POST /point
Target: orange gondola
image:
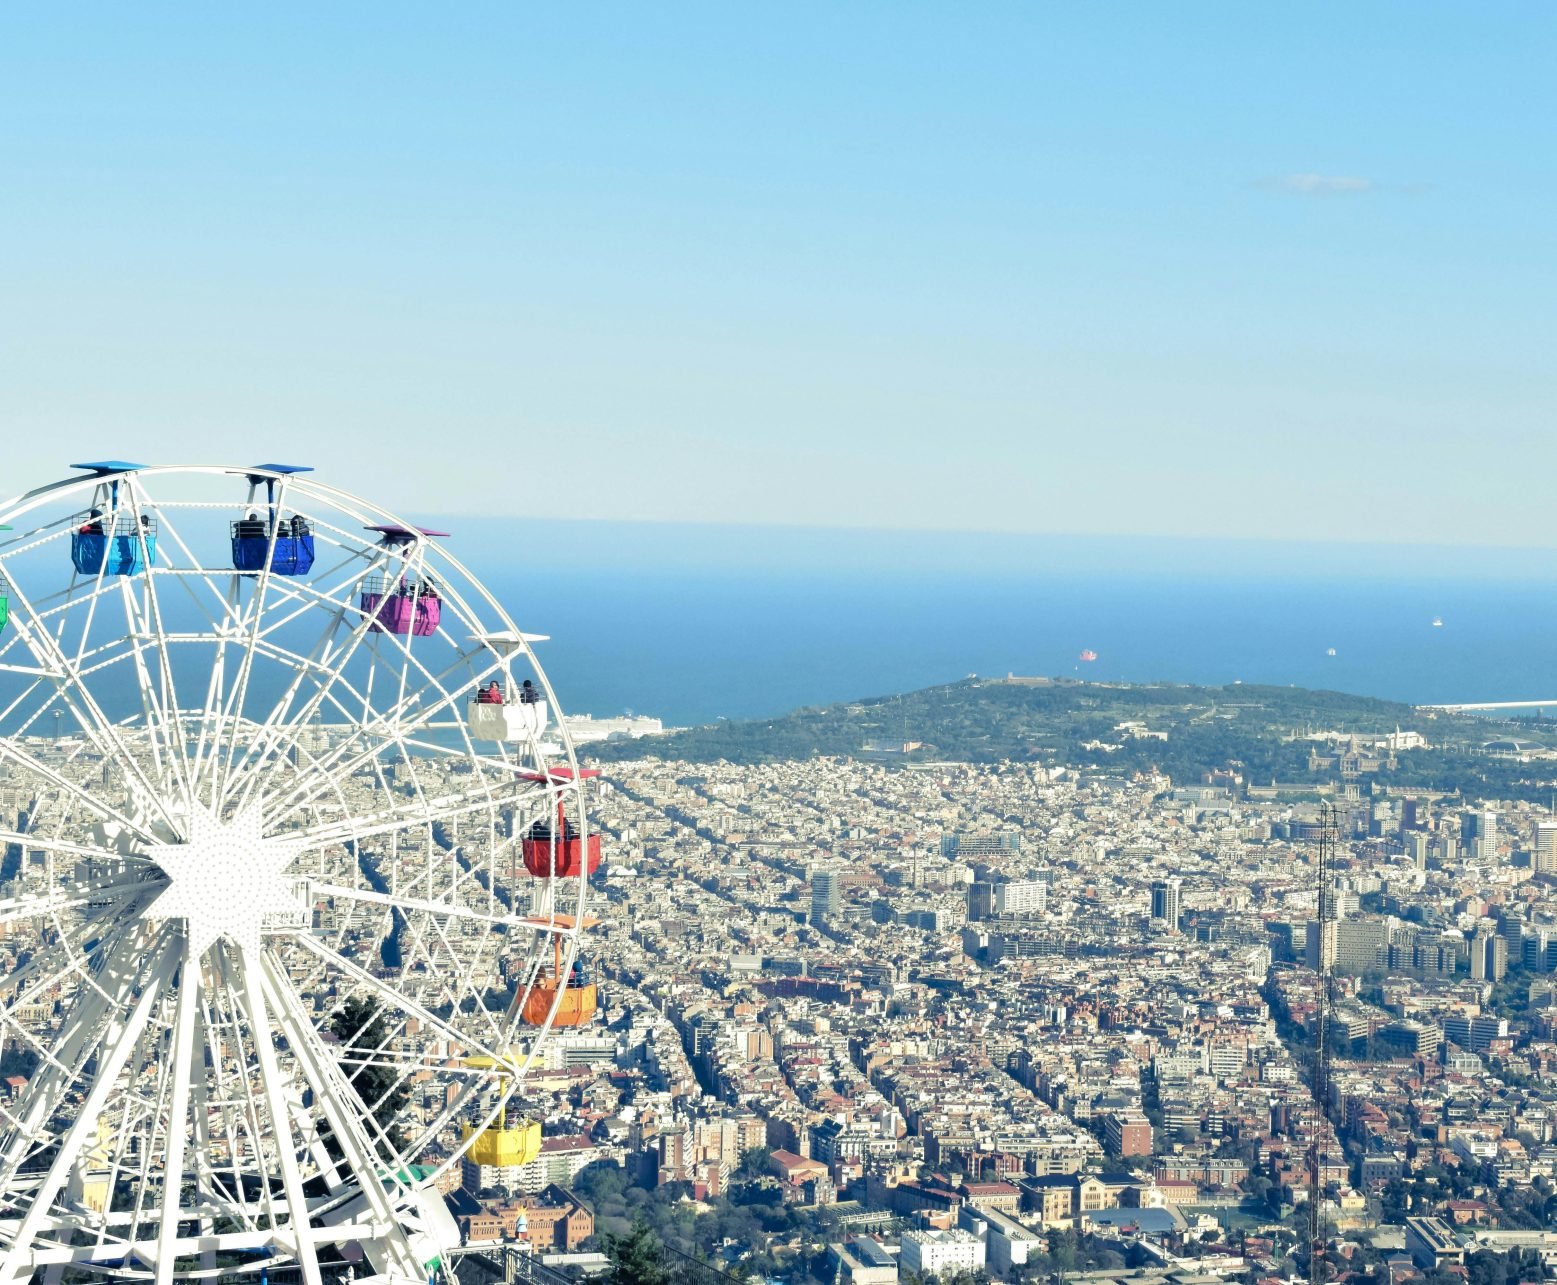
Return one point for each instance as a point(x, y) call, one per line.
point(579, 999)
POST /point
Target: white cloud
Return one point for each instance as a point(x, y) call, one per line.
point(1320, 184)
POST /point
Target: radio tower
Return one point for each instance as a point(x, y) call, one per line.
point(1320, 1085)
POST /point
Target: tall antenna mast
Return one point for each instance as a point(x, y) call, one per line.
point(1324, 989)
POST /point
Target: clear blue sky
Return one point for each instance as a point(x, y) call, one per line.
point(1194, 269)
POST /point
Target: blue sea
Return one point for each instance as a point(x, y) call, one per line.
point(695, 631)
point(692, 624)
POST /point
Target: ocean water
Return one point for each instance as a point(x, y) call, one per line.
point(693, 624)
point(692, 646)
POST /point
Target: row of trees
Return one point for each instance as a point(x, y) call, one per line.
point(640, 1257)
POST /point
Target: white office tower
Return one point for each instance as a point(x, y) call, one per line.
point(826, 895)
point(1021, 897)
point(1546, 847)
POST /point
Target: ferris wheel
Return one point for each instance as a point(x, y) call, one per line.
point(295, 875)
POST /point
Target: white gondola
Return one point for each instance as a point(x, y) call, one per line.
point(507, 720)
point(510, 722)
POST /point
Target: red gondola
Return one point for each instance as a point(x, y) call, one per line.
point(555, 847)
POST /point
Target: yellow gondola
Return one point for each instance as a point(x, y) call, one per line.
point(499, 1144)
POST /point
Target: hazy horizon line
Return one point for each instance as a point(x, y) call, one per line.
point(689, 546)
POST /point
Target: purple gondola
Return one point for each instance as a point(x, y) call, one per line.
point(404, 606)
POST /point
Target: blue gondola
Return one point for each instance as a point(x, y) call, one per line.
point(293, 553)
point(288, 541)
point(120, 546)
point(110, 539)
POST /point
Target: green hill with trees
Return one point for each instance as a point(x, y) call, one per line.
point(1263, 733)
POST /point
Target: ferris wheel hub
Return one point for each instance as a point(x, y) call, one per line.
point(226, 880)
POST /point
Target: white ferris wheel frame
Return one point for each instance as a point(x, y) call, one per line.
point(192, 1088)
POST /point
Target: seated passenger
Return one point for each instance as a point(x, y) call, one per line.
point(251, 526)
point(94, 523)
point(491, 695)
point(527, 693)
point(428, 591)
point(299, 526)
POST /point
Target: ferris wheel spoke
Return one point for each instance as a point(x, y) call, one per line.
point(400, 722)
point(157, 695)
point(456, 981)
point(10, 752)
point(397, 819)
point(14, 1262)
point(256, 619)
point(73, 675)
point(322, 665)
point(451, 910)
point(180, 1065)
point(329, 769)
point(248, 1138)
point(75, 695)
point(278, 729)
point(162, 696)
point(301, 1244)
point(57, 1064)
point(33, 905)
point(92, 1013)
point(333, 1094)
point(402, 1002)
point(51, 843)
point(231, 1124)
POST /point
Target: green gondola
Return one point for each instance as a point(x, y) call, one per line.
point(5, 594)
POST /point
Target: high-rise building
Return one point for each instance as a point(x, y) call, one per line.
point(1480, 831)
point(1165, 902)
point(1349, 945)
point(1540, 950)
point(1475, 1033)
point(1413, 814)
point(1488, 956)
point(1545, 860)
point(826, 895)
point(1021, 897)
point(972, 847)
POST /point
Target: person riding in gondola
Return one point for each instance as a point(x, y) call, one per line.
point(527, 693)
point(491, 694)
point(94, 523)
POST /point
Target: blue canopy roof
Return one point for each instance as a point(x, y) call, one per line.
point(286, 468)
point(110, 466)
